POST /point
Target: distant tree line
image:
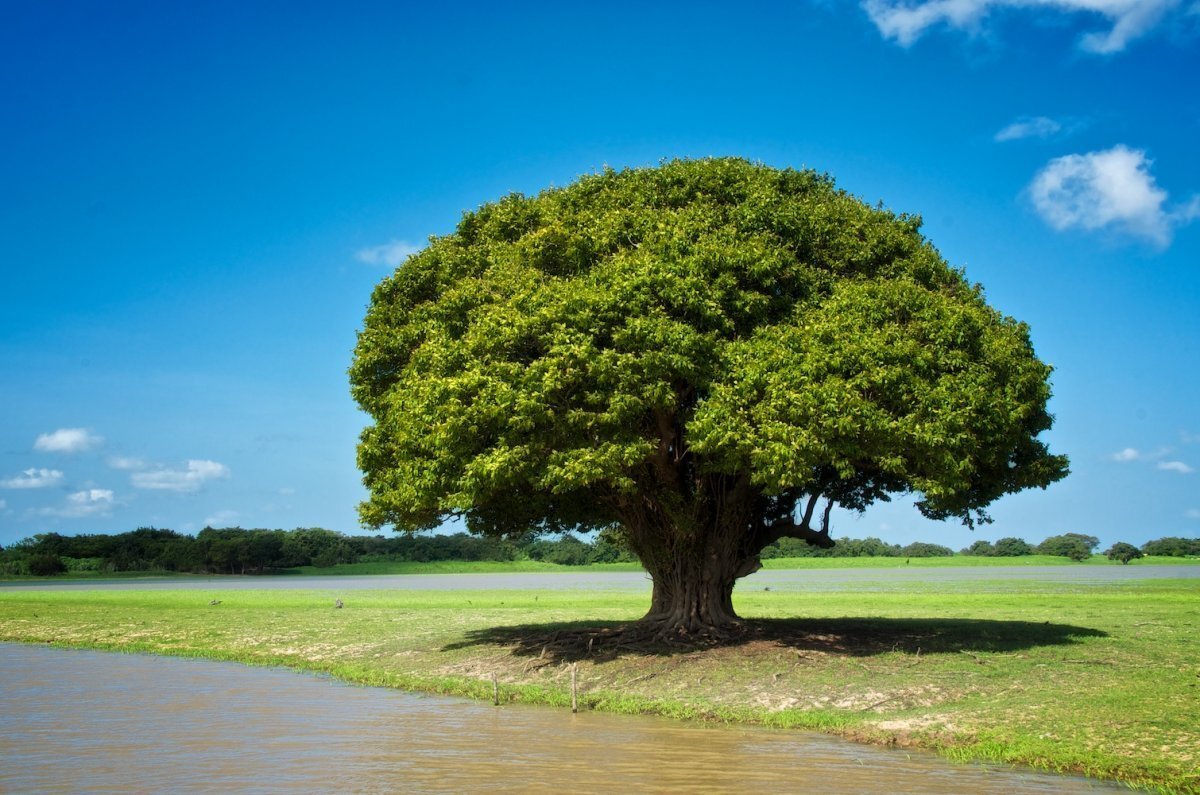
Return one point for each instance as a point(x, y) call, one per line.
point(234, 550)
point(257, 551)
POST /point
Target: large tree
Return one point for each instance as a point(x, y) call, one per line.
point(706, 356)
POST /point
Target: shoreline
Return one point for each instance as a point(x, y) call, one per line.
point(910, 666)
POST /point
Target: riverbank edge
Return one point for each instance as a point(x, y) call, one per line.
point(963, 749)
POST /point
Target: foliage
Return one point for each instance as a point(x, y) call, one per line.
point(980, 548)
point(258, 551)
point(45, 564)
point(1069, 545)
point(1173, 546)
point(699, 353)
point(1123, 552)
point(1010, 547)
point(919, 549)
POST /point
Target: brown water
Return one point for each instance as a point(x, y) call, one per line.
point(82, 721)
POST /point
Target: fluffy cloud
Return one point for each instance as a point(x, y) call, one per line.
point(392, 253)
point(1128, 454)
point(1111, 189)
point(88, 502)
point(67, 440)
point(33, 479)
point(1175, 466)
point(1190, 513)
point(905, 21)
point(126, 463)
point(190, 479)
point(1029, 127)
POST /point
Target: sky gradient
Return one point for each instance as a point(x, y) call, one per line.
point(199, 197)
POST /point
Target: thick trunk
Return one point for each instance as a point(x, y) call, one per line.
point(691, 604)
point(693, 587)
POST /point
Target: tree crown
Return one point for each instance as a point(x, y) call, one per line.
point(639, 333)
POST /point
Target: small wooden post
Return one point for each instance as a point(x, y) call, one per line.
point(574, 689)
point(495, 692)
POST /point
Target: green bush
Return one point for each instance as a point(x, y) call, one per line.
point(45, 565)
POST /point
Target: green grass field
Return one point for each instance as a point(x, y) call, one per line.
point(1098, 679)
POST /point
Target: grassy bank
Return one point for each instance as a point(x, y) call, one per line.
point(1098, 679)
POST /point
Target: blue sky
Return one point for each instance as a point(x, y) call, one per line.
point(198, 198)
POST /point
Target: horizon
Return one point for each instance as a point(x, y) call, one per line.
point(201, 199)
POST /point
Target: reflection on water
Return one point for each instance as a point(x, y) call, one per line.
point(77, 721)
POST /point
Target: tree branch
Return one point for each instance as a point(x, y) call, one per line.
point(802, 530)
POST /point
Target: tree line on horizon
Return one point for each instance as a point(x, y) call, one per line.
point(234, 550)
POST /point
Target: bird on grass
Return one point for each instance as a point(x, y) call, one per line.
point(337, 603)
point(215, 602)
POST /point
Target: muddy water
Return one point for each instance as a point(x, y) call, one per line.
point(81, 721)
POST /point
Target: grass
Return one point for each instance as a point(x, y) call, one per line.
point(1097, 679)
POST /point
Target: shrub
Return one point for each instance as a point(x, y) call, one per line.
point(45, 565)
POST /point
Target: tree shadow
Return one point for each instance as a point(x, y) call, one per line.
point(847, 637)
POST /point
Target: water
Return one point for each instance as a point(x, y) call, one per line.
point(784, 579)
point(83, 721)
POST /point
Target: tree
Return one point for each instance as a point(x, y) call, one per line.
point(1173, 546)
point(1075, 546)
point(706, 356)
point(921, 549)
point(980, 548)
point(1123, 552)
point(1009, 547)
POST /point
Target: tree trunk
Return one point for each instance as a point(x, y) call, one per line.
point(693, 587)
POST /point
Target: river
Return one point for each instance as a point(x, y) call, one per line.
point(85, 721)
point(781, 579)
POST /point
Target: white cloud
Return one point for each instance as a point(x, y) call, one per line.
point(1128, 454)
point(1190, 513)
point(33, 479)
point(67, 440)
point(1111, 189)
point(88, 502)
point(1175, 466)
point(3, 504)
point(905, 21)
point(190, 479)
point(1029, 127)
point(287, 491)
point(127, 463)
point(392, 253)
point(221, 519)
